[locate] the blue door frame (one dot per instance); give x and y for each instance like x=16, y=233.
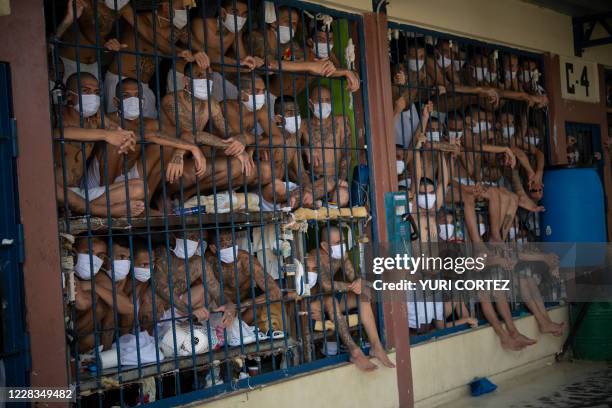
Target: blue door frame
x=14, y=350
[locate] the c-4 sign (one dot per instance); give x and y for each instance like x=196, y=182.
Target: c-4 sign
x=579, y=80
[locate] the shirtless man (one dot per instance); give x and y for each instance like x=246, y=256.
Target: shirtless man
x=221, y=38
x=494, y=303
x=290, y=185
x=129, y=115
x=170, y=27
x=480, y=74
x=277, y=47
x=515, y=135
x=187, y=112
x=192, y=280
x=136, y=288
x=327, y=140
x=320, y=45
x=468, y=183
x=88, y=318
x=81, y=123
x=238, y=270
x=326, y=261
x=446, y=71
x=81, y=37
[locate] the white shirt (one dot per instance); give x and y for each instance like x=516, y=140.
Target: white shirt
x=424, y=313
x=406, y=125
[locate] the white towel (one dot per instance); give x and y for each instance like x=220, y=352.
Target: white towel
x=129, y=349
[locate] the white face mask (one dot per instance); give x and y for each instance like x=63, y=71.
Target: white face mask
x=201, y=248
x=292, y=123
x=434, y=136
x=415, y=64
x=458, y=65
x=481, y=127
x=83, y=267
x=508, y=132
x=312, y=279
x=455, y=134
x=426, y=201
x=482, y=229
x=130, y=108
x=284, y=34
x=338, y=250
x=201, y=88
x=447, y=231
x=259, y=100
x=480, y=73
x=90, y=105
x=227, y=254
x=234, y=23
x=510, y=75
x=320, y=49
x=321, y=110
x=180, y=18
x=401, y=166
x=179, y=248
x=121, y=268
x=533, y=140
x=120, y=4
x=443, y=62
x=142, y=274
x=525, y=75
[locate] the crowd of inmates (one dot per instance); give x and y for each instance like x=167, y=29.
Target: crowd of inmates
x=470, y=135
x=156, y=110
x=159, y=103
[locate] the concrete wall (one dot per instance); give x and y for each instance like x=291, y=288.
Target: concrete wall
x=442, y=368
x=345, y=386
x=508, y=22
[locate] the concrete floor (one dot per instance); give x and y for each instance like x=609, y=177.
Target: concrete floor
x=576, y=384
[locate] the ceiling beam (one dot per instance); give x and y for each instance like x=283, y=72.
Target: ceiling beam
x=583, y=30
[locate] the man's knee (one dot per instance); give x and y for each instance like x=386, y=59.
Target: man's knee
x=136, y=189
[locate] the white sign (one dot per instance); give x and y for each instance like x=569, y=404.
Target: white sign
x=579, y=80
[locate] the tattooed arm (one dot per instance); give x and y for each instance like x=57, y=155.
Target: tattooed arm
x=177, y=277
x=263, y=280
x=345, y=136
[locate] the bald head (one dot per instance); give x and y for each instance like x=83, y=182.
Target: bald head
x=320, y=94
x=330, y=235
x=87, y=80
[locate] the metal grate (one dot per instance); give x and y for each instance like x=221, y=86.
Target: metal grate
x=197, y=173
x=471, y=131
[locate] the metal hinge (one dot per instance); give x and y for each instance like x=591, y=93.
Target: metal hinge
x=20, y=243
x=13, y=125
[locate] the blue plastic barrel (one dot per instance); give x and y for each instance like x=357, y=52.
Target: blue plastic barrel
x=574, y=202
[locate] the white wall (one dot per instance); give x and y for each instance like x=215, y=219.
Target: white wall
x=341, y=387
x=508, y=22
x=441, y=369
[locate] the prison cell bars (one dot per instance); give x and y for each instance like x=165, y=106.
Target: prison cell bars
x=149, y=230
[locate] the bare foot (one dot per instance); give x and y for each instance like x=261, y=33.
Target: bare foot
x=522, y=339
x=380, y=354
x=361, y=361
x=558, y=329
x=528, y=204
x=508, y=343
x=136, y=208
x=550, y=328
